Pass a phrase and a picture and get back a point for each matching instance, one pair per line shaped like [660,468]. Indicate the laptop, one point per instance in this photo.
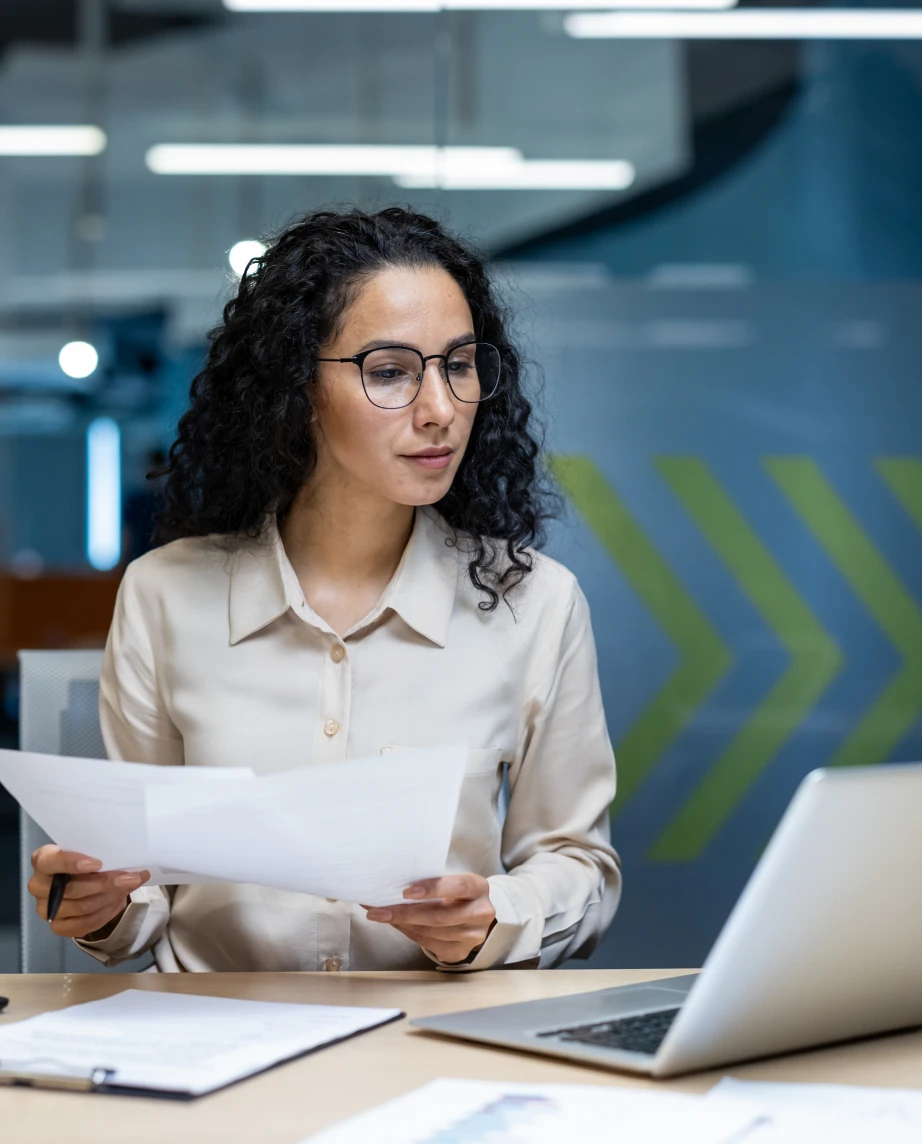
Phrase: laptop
[824,945]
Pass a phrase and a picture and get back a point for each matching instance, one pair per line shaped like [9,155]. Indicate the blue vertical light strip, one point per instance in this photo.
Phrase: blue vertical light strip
[103,494]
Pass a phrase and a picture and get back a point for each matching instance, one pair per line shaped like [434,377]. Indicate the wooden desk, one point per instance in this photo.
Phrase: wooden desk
[286,1104]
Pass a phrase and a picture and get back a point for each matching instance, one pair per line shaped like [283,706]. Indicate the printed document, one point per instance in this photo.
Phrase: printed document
[358,831]
[177,1042]
[487,1112]
[808,1113]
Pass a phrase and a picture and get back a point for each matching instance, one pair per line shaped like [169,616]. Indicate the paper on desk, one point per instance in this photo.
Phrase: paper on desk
[808,1113]
[178,1042]
[359,831]
[96,807]
[487,1112]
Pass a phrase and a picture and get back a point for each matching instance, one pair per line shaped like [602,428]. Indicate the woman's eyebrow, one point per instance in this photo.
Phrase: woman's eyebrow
[384,343]
[460,341]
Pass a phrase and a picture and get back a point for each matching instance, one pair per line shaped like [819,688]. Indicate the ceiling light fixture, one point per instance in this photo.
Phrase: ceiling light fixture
[25,140]
[332,5]
[78,359]
[448,168]
[750,24]
[536,175]
[321,159]
[463,5]
[241,254]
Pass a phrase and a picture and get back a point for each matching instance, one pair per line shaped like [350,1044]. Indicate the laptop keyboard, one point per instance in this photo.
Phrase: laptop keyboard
[642,1033]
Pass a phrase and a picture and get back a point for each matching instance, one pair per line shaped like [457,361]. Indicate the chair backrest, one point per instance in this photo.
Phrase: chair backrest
[58,715]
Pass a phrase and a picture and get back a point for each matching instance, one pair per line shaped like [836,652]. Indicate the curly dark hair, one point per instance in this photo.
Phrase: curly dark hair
[244,447]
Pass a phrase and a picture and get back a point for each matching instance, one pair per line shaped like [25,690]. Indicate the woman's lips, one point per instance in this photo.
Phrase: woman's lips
[429,461]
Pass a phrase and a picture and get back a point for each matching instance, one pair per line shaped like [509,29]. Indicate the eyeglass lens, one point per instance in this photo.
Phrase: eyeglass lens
[392,376]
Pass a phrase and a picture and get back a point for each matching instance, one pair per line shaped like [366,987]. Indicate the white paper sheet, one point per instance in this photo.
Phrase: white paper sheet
[359,831]
[811,1113]
[96,807]
[490,1112]
[177,1042]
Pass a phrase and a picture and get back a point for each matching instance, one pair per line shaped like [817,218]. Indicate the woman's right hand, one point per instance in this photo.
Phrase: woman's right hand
[91,900]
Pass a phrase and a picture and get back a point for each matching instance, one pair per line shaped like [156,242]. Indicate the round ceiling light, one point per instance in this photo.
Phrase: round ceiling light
[78,359]
[240,254]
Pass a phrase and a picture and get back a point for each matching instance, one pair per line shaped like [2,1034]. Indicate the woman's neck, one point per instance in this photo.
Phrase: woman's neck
[344,547]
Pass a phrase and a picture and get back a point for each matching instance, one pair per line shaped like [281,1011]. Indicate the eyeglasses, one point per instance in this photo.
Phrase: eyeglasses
[392,376]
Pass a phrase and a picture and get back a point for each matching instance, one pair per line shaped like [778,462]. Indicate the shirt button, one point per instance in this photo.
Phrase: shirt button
[330,728]
[333,964]
[338,653]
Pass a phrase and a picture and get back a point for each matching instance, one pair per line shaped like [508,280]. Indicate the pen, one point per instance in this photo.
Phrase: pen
[56,894]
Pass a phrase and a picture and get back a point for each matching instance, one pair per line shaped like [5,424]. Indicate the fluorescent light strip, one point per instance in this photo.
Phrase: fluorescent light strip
[333,6]
[323,159]
[464,5]
[103,494]
[750,24]
[537,175]
[26,140]
[449,168]
[562,5]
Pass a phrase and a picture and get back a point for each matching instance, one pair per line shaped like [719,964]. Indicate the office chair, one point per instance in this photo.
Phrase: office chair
[59,696]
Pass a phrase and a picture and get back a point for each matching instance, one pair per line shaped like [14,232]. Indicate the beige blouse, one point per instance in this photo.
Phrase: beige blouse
[215,658]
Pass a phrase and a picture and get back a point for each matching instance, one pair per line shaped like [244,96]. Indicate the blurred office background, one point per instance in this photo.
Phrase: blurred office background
[712,229]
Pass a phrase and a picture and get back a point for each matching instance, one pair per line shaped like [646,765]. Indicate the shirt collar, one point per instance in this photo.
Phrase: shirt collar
[422,590]
[259,592]
[263,584]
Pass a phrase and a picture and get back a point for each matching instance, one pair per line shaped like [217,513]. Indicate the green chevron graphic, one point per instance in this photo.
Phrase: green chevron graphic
[704,657]
[874,582]
[815,660]
[904,476]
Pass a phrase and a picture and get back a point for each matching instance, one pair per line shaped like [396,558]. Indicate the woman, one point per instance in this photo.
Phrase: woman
[351,502]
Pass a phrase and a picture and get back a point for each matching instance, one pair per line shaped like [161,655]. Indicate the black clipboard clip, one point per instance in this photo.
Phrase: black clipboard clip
[49,1073]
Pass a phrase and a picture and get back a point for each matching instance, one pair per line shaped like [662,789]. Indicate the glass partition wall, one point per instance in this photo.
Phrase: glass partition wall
[710,228]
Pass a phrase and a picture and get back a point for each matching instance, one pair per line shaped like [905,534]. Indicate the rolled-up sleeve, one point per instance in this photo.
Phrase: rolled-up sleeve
[563,880]
[135,728]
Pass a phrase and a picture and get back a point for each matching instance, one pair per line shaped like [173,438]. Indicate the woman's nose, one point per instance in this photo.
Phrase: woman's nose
[435,394]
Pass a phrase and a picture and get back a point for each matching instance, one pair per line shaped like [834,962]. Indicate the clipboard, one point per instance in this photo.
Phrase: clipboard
[104,1081]
[48,1073]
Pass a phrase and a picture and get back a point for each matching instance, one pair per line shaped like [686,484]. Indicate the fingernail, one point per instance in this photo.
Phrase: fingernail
[128,880]
[87,865]
[415,892]
[379,915]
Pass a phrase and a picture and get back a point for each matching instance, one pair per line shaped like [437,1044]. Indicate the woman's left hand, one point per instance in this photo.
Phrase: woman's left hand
[450,917]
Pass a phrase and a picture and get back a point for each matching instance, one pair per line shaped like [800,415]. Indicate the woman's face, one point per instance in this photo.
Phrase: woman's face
[378,450]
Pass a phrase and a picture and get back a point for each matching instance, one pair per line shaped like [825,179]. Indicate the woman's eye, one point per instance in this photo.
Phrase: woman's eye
[389,374]
[460,366]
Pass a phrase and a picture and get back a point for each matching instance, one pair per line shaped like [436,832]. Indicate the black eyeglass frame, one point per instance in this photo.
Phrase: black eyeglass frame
[359,360]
